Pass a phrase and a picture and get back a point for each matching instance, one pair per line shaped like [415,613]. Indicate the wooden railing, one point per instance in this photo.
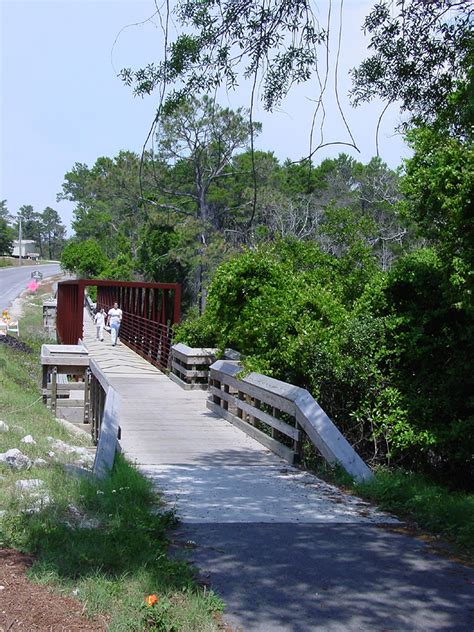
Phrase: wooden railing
[58,362]
[189,366]
[97,404]
[105,407]
[279,415]
[101,404]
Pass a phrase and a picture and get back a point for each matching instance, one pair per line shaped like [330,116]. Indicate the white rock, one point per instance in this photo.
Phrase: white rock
[40,463]
[77,519]
[62,446]
[86,460]
[51,454]
[33,494]
[85,455]
[4,427]
[29,484]
[15,459]
[37,504]
[28,439]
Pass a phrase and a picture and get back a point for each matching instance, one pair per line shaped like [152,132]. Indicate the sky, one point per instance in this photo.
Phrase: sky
[62,102]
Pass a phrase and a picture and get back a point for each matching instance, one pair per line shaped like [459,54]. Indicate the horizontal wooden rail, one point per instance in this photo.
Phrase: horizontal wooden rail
[278,415]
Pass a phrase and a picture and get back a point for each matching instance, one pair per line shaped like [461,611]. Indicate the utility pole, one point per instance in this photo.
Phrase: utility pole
[20,235]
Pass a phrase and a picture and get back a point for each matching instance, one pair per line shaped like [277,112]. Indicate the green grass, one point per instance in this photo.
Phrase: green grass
[432,507]
[13,262]
[414,498]
[110,567]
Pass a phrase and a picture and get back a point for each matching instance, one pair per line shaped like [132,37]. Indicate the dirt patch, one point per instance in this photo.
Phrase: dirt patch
[29,607]
[14,343]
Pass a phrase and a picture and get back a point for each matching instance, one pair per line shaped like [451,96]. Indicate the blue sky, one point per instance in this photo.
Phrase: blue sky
[61,100]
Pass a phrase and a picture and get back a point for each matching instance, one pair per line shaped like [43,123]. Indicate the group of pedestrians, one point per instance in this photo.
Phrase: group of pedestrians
[112,319]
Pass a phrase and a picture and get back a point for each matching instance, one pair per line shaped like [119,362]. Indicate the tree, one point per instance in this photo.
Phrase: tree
[422,54]
[6,233]
[195,146]
[85,259]
[6,238]
[53,232]
[4,214]
[200,138]
[108,199]
[228,40]
[31,225]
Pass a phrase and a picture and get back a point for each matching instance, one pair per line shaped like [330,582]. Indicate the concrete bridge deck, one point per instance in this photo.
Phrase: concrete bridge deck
[285,550]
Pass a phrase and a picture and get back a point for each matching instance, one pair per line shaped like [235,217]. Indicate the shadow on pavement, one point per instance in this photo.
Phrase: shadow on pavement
[300,577]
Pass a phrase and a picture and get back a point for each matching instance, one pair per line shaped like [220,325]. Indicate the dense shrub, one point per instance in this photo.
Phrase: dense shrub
[386,362]
[84,258]
[432,345]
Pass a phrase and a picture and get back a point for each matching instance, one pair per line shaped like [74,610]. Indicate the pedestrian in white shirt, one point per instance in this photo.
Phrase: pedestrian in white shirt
[99,321]
[114,319]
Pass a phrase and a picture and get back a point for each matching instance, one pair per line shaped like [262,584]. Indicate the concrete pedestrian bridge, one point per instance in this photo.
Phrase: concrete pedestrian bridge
[285,550]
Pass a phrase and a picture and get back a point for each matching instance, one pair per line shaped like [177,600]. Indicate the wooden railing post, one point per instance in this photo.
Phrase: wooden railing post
[215,398]
[87,382]
[54,390]
[225,403]
[240,412]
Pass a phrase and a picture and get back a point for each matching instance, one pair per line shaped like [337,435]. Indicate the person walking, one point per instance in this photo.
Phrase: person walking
[99,321]
[114,318]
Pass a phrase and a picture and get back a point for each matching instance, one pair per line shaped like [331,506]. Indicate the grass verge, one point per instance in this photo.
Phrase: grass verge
[104,542]
[414,498]
[13,262]
[432,507]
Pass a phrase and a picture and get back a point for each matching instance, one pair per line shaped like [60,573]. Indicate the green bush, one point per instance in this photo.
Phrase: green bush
[84,258]
[385,354]
[432,345]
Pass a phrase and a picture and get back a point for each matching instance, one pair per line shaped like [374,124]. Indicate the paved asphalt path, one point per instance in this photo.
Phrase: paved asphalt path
[14,280]
[289,553]
[283,577]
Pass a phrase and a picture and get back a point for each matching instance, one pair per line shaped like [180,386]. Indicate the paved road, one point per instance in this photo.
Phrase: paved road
[14,280]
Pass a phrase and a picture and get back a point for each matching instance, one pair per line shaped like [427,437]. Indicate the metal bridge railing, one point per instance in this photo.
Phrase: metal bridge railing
[149,312]
[149,339]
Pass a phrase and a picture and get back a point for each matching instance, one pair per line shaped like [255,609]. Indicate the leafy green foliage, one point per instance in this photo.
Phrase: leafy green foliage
[84,258]
[368,346]
[6,238]
[277,38]
[439,185]
[31,224]
[432,342]
[422,55]
[52,233]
